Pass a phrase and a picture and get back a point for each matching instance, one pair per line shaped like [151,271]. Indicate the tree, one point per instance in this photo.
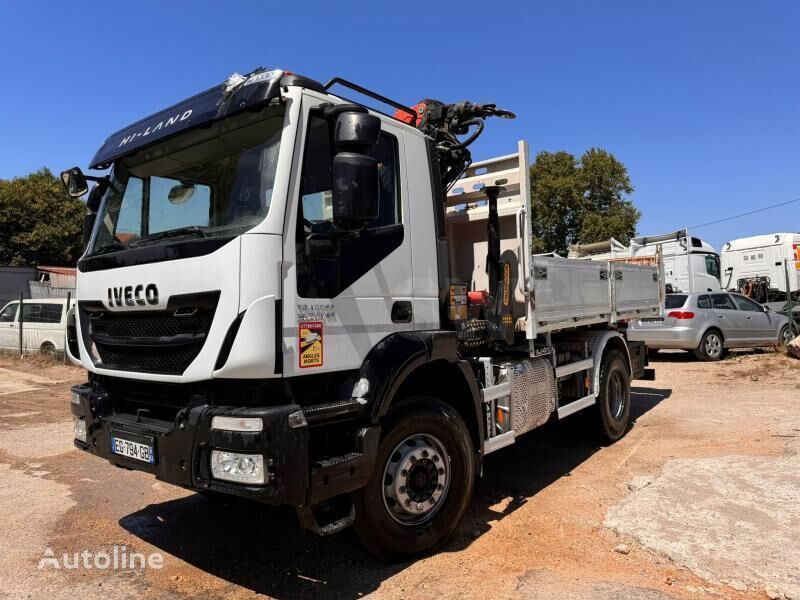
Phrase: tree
[39,222]
[580,201]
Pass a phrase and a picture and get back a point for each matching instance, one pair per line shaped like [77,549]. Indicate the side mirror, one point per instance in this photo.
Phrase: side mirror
[180,193]
[356,131]
[766,308]
[75,182]
[356,190]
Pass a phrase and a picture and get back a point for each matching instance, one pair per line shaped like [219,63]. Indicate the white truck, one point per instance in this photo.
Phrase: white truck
[760,267]
[690,264]
[279,300]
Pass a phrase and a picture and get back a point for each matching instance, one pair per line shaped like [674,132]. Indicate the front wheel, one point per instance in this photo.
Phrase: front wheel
[614,400]
[422,481]
[710,347]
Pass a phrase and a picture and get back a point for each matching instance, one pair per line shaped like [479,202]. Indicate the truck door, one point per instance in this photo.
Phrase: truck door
[8,330]
[342,293]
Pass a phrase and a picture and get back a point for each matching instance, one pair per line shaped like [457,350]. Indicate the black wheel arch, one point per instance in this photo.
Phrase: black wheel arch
[422,363]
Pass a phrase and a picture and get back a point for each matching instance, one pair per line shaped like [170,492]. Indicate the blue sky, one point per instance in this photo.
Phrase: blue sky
[701,100]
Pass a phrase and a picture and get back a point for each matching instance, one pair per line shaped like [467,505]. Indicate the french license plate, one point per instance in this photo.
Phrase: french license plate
[132,449]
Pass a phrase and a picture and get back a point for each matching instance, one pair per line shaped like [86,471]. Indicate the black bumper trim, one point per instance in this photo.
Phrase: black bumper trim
[183,450]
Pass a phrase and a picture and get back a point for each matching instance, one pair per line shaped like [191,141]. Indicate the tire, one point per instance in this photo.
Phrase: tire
[613,406]
[425,445]
[711,346]
[49,350]
[786,336]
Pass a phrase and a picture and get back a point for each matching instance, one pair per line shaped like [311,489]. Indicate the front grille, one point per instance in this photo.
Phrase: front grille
[155,341]
[151,324]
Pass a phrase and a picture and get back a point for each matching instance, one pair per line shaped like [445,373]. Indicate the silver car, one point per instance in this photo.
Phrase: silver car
[710,323]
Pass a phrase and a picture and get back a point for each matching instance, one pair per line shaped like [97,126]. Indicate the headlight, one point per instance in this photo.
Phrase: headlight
[240,468]
[79,426]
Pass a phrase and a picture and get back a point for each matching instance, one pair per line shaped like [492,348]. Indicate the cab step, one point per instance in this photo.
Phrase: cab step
[333,521]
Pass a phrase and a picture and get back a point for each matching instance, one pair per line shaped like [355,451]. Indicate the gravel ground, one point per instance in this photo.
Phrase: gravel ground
[700,500]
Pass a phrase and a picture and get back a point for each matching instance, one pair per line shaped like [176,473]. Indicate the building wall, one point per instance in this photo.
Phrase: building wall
[14,280]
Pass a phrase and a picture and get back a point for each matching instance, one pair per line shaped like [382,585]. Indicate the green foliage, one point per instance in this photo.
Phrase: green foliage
[580,201]
[39,223]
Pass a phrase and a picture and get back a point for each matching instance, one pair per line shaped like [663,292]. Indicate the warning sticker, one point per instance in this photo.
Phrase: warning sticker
[310,344]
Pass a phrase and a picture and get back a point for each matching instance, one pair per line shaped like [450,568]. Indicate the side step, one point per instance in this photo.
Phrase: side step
[309,521]
[576,405]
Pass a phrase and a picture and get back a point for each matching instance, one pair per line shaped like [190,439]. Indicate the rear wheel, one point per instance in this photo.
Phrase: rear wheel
[786,336]
[710,347]
[49,350]
[422,482]
[614,400]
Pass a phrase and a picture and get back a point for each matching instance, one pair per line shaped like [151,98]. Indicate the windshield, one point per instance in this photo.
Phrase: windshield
[214,182]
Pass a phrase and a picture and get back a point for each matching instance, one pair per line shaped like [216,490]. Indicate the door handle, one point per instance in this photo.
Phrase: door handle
[402,312]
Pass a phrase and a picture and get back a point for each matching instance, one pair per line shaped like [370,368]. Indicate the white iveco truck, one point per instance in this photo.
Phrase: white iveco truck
[280,300]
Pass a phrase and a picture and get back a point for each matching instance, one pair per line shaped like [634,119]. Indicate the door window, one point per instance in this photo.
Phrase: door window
[722,301]
[41,313]
[343,259]
[8,313]
[712,265]
[744,303]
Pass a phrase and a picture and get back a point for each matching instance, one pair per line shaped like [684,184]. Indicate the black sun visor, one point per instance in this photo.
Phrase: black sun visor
[238,93]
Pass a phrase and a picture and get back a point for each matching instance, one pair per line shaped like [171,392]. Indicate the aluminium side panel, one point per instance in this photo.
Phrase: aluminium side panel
[569,293]
[637,290]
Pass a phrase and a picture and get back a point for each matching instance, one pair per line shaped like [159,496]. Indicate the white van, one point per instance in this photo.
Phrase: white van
[44,323]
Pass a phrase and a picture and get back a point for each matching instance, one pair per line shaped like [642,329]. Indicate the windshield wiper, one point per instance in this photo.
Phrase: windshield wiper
[191,230]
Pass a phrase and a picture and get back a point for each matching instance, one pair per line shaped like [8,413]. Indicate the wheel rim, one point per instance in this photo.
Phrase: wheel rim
[786,336]
[416,479]
[713,345]
[616,395]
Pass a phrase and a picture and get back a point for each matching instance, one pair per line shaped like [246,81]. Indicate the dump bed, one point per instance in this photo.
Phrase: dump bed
[553,293]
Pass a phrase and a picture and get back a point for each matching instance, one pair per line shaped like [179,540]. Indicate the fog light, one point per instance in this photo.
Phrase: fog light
[79,426]
[241,468]
[297,419]
[76,398]
[246,424]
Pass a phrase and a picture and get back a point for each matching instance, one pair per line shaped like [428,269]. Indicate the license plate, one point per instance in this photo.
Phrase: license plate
[132,449]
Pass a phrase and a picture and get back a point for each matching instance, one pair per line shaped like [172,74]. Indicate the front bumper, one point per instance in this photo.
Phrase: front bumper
[658,338]
[182,449]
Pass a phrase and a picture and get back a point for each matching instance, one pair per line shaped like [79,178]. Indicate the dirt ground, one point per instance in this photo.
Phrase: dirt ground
[700,500]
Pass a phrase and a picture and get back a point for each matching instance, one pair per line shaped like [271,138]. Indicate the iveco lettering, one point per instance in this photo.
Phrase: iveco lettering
[294,298]
[132,295]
